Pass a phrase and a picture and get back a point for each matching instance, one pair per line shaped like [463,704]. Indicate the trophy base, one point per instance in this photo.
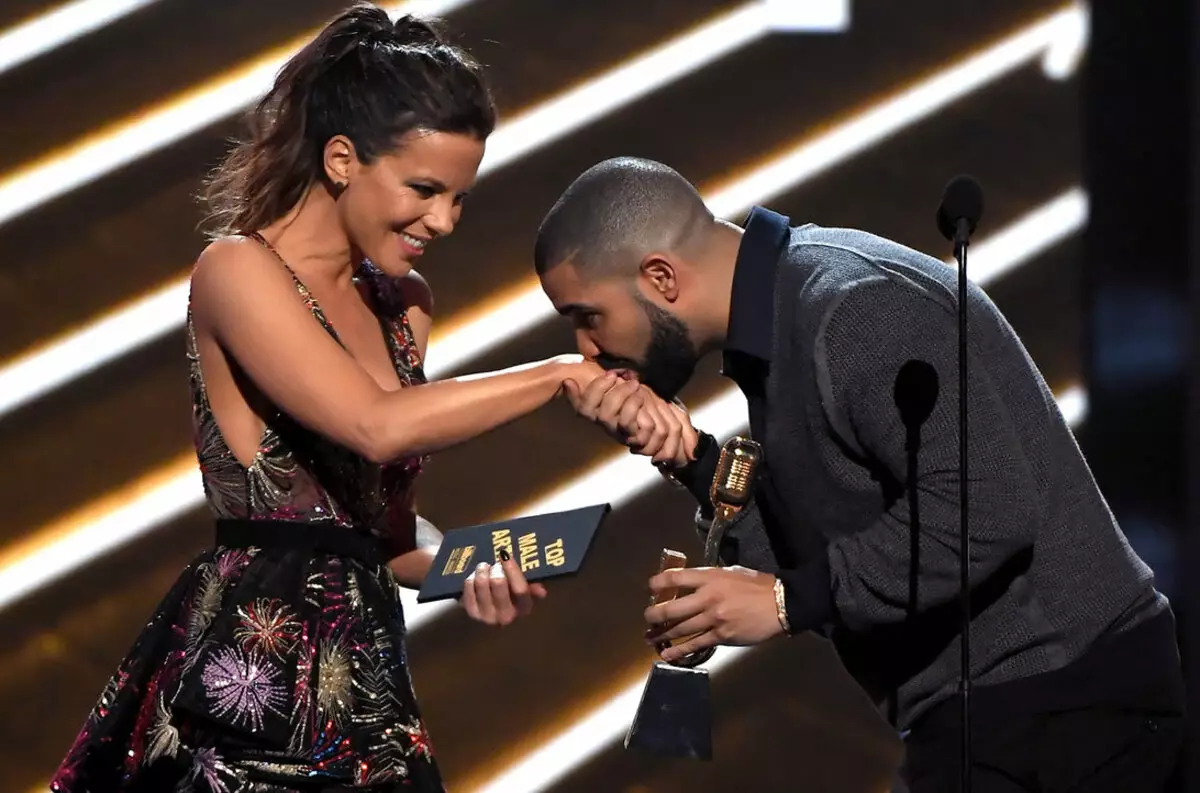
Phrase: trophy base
[674,717]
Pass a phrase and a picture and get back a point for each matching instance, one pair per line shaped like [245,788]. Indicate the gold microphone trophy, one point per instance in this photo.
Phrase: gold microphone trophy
[674,716]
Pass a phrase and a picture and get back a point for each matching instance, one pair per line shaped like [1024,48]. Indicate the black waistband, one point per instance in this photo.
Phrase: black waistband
[312,537]
[1137,669]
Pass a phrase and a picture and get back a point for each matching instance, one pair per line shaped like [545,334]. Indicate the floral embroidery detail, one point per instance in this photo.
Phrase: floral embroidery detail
[232,561]
[268,627]
[207,767]
[303,713]
[331,749]
[205,605]
[419,738]
[335,682]
[164,736]
[242,686]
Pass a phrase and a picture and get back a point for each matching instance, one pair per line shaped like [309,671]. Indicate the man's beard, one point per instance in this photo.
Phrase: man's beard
[670,358]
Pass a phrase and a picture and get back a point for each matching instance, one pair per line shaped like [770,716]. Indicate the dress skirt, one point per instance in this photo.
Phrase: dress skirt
[275,663]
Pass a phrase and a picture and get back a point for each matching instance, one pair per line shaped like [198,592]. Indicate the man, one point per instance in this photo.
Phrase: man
[1077,681]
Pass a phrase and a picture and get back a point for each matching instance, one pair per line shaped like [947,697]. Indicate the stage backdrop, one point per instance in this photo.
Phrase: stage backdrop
[856,114]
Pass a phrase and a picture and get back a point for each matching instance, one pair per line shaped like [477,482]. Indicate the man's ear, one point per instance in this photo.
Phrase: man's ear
[661,275]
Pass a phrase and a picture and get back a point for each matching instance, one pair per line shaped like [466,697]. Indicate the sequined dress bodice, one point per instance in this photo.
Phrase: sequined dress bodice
[297,474]
[276,661]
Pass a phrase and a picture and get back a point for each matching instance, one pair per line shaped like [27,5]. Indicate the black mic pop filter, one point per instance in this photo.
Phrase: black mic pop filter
[962,200]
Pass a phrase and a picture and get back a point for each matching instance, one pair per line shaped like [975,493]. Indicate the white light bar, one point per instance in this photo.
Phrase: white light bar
[1062,59]
[896,113]
[625,84]
[173,121]
[44,368]
[119,332]
[1031,236]
[808,16]
[586,738]
[621,479]
[59,26]
[165,498]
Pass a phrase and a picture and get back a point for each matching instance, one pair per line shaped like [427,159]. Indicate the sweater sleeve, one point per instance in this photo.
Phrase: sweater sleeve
[868,336]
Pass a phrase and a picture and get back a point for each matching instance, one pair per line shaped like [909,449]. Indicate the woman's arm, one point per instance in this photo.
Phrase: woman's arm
[247,302]
[411,567]
[495,595]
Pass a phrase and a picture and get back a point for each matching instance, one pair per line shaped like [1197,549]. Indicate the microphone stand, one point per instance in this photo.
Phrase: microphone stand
[961,242]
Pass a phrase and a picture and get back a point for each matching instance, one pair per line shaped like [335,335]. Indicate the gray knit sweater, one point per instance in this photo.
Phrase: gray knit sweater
[1051,570]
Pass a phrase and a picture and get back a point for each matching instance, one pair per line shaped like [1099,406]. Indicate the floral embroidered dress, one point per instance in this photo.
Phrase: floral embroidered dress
[277,661]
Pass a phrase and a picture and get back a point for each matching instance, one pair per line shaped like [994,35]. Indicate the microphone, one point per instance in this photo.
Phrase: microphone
[957,217]
[735,473]
[961,209]
[732,488]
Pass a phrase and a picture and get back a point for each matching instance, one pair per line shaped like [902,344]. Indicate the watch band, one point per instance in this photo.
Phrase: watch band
[672,474]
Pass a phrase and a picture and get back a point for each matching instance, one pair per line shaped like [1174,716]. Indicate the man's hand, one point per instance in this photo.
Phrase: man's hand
[612,400]
[635,416]
[729,605]
[663,431]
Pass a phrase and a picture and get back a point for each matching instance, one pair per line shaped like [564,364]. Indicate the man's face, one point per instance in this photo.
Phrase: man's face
[620,328]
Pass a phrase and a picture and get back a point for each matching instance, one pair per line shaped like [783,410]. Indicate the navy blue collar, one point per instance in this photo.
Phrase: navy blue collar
[752,299]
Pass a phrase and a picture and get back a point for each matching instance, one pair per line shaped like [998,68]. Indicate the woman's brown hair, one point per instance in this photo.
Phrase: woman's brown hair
[363,77]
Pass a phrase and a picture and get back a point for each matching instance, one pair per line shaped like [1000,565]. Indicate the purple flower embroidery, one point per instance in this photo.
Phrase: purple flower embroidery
[242,686]
[230,562]
[206,767]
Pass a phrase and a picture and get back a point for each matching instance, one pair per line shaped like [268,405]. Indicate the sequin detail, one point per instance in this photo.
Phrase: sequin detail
[268,669]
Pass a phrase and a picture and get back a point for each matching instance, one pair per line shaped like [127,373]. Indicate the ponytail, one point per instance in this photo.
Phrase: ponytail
[364,77]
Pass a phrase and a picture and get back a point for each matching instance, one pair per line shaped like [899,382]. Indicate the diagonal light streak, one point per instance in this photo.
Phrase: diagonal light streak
[60,26]
[142,321]
[102,153]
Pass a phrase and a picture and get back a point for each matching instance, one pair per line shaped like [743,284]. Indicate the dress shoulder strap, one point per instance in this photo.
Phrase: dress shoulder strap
[305,294]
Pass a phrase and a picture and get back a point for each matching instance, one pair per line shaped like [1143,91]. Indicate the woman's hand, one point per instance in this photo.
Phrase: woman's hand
[498,594]
[578,373]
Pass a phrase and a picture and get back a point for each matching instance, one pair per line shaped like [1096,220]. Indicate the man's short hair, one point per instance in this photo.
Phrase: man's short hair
[617,212]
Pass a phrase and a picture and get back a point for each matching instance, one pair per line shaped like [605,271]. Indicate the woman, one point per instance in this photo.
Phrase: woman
[277,660]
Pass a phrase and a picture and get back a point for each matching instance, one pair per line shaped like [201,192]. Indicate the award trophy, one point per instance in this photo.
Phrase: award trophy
[674,716]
